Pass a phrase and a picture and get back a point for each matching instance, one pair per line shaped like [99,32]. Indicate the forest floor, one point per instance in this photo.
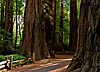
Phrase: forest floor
[58,64]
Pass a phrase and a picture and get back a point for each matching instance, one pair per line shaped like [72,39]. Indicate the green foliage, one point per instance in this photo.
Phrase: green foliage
[6,41]
[47,13]
[2,58]
[18,57]
[78,7]
[15,57]
[27,61]
[20,7]
[20,20]
[66,21]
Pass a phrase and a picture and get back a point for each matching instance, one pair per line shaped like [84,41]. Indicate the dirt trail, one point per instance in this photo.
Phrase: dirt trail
[57,64]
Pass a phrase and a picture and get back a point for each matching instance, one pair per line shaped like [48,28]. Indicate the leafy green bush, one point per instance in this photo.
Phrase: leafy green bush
[2,58]
[6,42]
[15,57]
[18,57]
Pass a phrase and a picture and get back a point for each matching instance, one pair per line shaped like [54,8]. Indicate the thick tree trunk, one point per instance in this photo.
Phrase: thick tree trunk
[39,33]
[25,43]
[87,57]
[73,25]
[34,31]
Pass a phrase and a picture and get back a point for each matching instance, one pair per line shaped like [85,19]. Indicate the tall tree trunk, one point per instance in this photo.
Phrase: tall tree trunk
[16,24]
[7,16]
[73,25]
[2,13]
[54,22]
[39,46]
[61,23]
[20,35]
[8,26]
[11,17]
[34,32]
[53,6]
[87,57]
[25,43]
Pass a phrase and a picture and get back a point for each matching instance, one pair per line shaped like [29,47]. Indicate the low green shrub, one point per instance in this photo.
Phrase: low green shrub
[2,58]
[18,57]
[15,57]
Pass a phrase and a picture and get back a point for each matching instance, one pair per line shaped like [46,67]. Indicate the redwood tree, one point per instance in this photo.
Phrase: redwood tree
[52,29]
[8,26]
[6,16]
[11,16]
[87,57]
[73,25]
[34,30]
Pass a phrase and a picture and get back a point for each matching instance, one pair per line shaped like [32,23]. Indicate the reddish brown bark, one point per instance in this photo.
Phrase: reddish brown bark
[87,58]
[7,16]
[34,31]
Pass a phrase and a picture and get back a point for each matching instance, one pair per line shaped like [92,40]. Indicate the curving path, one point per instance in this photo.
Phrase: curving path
[58,64]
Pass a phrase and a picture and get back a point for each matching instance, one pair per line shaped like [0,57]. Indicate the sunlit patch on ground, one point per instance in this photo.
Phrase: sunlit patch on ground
[57,64]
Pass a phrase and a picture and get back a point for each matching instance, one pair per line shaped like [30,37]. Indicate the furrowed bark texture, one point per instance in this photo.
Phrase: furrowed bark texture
[34,31]
[87,57]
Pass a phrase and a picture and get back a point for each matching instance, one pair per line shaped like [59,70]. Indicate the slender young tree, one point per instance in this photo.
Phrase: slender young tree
[16,24]
[11,16]
[6,27]
[34,30]
[87,56]
[8,13]
[2,13]
[54,24]
[61,23]
[73,25]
